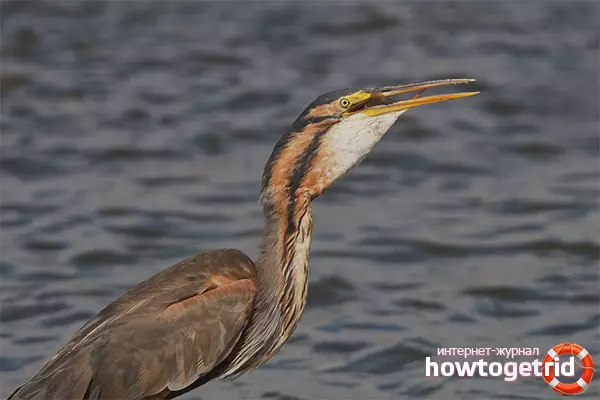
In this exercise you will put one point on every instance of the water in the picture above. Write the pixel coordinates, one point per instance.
(134, 135)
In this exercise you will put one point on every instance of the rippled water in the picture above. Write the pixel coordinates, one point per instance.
(134, 135)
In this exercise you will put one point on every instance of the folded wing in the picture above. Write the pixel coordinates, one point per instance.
(160, 336)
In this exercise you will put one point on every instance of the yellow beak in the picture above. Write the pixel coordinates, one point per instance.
(385, 93)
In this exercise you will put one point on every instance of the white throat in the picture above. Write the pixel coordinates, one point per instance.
(352, 139)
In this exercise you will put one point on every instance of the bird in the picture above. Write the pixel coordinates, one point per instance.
(219, 314)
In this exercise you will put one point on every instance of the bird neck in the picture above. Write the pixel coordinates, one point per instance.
(282, 275)
(283, 268)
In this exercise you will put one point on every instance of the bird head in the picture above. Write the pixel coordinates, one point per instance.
(335, 132)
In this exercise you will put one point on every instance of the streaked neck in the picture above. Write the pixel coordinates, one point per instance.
(282, 275)
(284, 260)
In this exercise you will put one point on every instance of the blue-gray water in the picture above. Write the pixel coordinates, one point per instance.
(134, 135)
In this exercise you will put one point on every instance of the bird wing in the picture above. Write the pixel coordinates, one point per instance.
(160, 336)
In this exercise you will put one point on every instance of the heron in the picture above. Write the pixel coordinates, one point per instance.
(219, 314)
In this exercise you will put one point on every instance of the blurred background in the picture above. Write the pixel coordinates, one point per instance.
(134, 135)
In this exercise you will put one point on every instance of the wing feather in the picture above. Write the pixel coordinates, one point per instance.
(160, 336)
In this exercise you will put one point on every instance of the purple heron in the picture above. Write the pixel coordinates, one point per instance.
(219, 314)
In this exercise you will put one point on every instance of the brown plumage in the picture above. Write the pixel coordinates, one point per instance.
(218, 314)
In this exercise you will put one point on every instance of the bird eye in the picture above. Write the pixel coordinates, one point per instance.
(344, 102)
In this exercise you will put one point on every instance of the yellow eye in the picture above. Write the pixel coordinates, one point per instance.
(344, 102)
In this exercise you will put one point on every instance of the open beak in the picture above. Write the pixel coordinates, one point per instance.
(380, 101)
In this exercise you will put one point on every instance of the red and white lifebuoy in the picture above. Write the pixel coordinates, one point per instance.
(588, 369)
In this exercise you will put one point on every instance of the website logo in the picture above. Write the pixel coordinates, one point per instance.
(567, 368)
(553, 368)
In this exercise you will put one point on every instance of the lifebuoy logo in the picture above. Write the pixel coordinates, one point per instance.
(552, 368)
